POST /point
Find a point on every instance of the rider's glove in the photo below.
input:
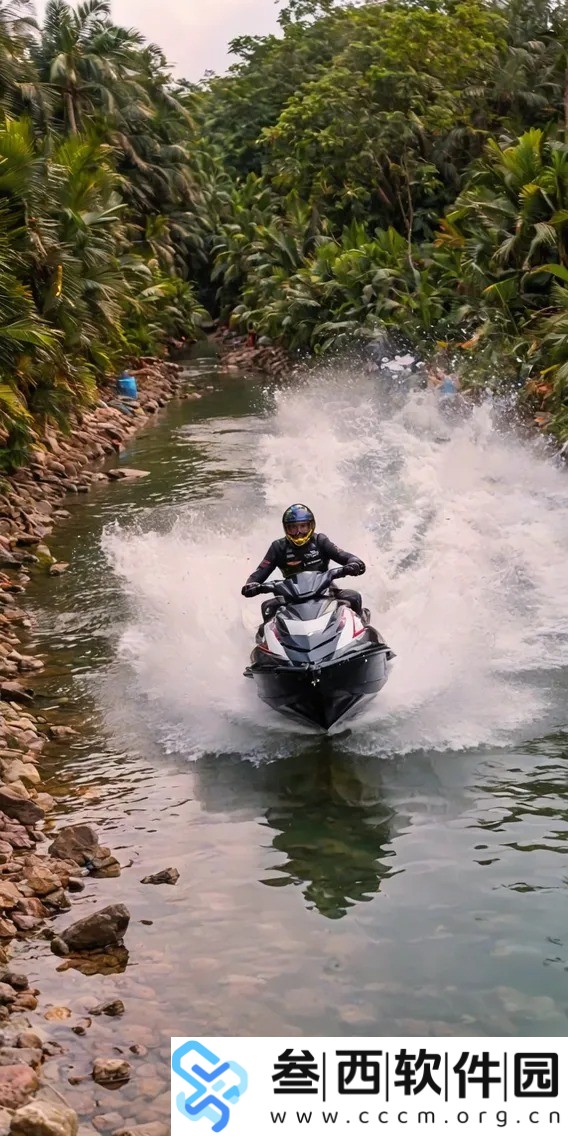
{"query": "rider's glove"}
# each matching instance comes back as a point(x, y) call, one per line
point(250, 590)
point(355, 567)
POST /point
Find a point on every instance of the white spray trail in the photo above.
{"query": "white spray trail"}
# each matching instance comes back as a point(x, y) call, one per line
point(465, 535)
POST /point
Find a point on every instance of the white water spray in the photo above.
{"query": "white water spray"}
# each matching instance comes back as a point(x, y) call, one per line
point(465, 536)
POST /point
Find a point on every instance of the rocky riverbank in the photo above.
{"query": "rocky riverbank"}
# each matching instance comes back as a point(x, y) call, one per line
point(38, 875)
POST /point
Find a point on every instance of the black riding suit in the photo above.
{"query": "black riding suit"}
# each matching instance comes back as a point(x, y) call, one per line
point(311, 557)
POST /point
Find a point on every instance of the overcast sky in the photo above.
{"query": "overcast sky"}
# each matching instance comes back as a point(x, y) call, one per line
point(194, 34)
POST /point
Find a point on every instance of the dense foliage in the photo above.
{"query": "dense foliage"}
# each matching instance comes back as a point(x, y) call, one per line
point(400, 164)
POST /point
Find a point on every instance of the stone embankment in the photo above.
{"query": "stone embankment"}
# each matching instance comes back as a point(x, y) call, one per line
point(37, 875)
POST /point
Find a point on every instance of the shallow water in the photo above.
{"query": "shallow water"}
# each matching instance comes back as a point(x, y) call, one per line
point(406, 876)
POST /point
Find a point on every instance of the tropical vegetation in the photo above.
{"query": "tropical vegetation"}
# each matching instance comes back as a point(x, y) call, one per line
point(397, 165)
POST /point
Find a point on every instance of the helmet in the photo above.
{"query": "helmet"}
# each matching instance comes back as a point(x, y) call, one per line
point(299, 524)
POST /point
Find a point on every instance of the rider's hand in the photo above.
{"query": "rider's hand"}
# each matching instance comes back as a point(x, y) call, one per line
point(250, 590)
point(355, 567)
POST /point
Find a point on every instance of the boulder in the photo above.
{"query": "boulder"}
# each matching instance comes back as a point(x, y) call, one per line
point(44, 1118)
point(105, 928)
point(19, 808)
point(78, 843)
point(11, 691)
point(17, 1084)
point(58, 569)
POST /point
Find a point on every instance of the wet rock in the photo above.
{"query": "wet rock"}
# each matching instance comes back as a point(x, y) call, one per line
point(138, 1050)
point(110, 1071)
point(113, 1007)
point(113, 961)
point(124, 473)
point(19, 808)
point(25, 1001)
point(57, 901)
point(7, 929)
point(44, 1118)
point(81, 1027)
point(75, 884)
point(12, 1055)
point(154, 1128)
point(11, 691)
point(29, 1039)
point(57, 1014)
point(166, 876)
point(78, 843)
point(17, 981)
point(30, 905)
point(107, 1121)
point(104, 928)
point(17, 1084)
point(7, 994)
point(59, 733)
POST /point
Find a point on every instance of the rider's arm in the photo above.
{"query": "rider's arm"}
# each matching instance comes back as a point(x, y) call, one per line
point(266, 566)
point(332, 552)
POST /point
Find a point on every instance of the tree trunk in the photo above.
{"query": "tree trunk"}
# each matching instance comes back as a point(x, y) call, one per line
point(71, 112)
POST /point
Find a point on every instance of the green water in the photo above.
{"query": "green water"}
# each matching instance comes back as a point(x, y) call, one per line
point(324, 891)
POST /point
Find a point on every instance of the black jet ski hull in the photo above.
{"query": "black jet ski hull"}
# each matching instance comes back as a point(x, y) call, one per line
point(320, 695)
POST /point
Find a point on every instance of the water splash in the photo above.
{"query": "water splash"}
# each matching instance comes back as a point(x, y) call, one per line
point(465, 534)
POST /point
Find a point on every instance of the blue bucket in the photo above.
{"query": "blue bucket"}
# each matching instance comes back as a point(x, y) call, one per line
point(126, 386)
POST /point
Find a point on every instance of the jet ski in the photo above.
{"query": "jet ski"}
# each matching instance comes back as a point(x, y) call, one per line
point(314, 659)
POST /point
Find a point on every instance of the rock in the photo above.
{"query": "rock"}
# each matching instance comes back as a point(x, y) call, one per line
point(57, 1014)
point(12, 1055)
point(76, 843)
point(59, 733)
point(9, 894)
point(41, 879)
point(167, 876)
point(123, 473)
point(7, 929)
point(113, 1007)
point(154, 1128)
point(15, 692)
point(45, 802)
point(7, 558)
point(75, 884)
point(58, 569)
point(29, 1039)
point(7, 994)
point(20, 771)
point(17, 1083)
point(58, 946)
point(25, 1001)
point(110, 1070)
point(105, 928)
point(44, 1118)
point(17, 981)
point(57, 900)
point(107, 1121)
point(20, 809)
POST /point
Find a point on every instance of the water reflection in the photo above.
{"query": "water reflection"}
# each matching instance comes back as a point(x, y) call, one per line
point(326, 814)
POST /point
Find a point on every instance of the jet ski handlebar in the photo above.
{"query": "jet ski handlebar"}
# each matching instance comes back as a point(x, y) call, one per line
point(273, 588)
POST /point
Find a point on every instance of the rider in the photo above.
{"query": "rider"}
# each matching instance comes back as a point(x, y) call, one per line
point(302, 549)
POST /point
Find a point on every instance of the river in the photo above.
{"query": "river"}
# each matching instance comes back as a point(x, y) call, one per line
point(404, 876)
